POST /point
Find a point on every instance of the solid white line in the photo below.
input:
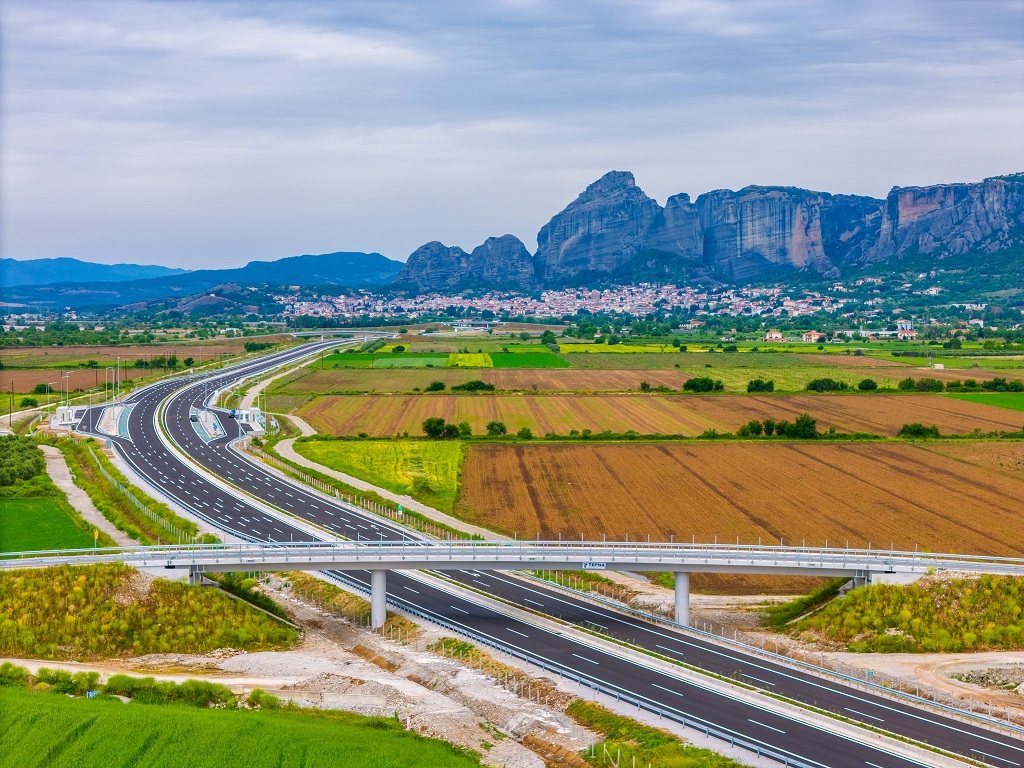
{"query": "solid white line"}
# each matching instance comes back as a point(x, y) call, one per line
point(586, 659)
point(514, 631)
point(1003, 759)
point(459, 609)
point(667, 690)
point(770, 727)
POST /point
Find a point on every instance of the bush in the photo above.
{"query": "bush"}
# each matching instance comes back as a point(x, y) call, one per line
point(464, 429)
point(769, 427)
point(752, 428)
point(1002, 385)
point(434, 427)
point(906, 384)
point(918, 430)
point(257, 346)
point(929, 385)
point(189, 362)
point(525, 434)
point(476, 385)
point(397, 348)
point(826, 385)
point(28, 402)
point(260, 699)
point(645, 387)
point(20, 459)
point(435, 386)
point(702, 384)
point(867, 385)
point(496, 428)
point(42, 389)
point(760, 385)
point(730, 348)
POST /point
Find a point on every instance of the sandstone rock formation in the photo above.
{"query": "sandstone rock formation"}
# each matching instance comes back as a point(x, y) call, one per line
point(613, 229)
point(498, 262)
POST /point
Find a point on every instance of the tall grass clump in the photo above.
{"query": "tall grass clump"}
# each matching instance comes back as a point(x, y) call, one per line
point(934, 615)
point(105, 610)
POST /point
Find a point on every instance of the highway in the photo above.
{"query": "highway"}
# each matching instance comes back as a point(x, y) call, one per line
point(792, 739)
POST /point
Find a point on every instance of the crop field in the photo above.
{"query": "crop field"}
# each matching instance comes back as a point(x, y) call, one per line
point(690, 415)
point(54, 730)
point(527, 360)
point(29, 524)
point(307, 382)
point(55, 357)
point(886, 494)
point(1005, 458)
point(1012, 400)
point(24, 380)
point(469, 360)
point(427, 470)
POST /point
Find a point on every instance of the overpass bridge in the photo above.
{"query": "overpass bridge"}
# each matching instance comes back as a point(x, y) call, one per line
point(862, 565)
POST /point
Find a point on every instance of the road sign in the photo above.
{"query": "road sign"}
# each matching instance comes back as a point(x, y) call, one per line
point(594, 566)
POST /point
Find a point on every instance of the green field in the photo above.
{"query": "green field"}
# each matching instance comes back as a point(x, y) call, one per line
point(28, 524)
point(527, 360)
point(469, 360)
point(381, 360)
point(427, 471)
point(407, 361)
point(38, 729)
point(1011, 400)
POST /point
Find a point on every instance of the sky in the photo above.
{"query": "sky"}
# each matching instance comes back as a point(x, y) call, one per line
point(209, 134)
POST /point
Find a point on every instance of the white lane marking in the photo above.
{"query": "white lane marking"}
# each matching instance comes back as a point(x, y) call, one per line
point(586, 659)
point(770, 727)
point(873, 765)
point(1003, 759)
point(515, 632)
point(667, 690)
point(751, 677)
point(861, 714)
point(533, 601)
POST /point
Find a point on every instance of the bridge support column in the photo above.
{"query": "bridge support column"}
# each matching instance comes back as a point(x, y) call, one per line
point(378, 598)
point(683, 599)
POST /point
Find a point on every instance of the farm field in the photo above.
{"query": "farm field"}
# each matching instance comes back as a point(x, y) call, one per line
point(50, 357)
point(1006, 458)
point(1011, 400)
point(46, 728)
point(429, 471)
point(690, 415)
point(527, 360)
point(39, 523)
point(307, 382)
point(888, 494)
point(24, 380)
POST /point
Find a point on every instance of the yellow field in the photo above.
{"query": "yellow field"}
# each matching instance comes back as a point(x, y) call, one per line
point(469, 360)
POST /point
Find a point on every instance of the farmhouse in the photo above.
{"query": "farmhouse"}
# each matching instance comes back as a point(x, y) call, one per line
point(773, 336)
point(908, 335)
point(811, 337)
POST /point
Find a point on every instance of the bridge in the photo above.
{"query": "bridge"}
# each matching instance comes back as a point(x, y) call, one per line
point(862, 565)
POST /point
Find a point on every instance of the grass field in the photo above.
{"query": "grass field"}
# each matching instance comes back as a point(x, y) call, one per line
point(28, 524)
point(527, 360)
point(1012, 400)
point(39, 729)
point(427, 471)
point(895, 494)
point(386, 416)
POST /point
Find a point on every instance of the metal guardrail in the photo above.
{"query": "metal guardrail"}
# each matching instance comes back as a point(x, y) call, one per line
point(687, 721)
point(788, 661)
point(581, 555)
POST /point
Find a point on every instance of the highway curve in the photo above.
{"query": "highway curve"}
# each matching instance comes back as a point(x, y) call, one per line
point(232, 513)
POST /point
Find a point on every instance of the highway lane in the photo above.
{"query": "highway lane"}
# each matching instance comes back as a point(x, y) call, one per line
point(228, 512)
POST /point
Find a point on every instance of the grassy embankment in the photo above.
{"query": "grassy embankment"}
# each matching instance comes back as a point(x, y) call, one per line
point(104, 610)
point(196, 723)
point(426, 470)
point(933, 615)
point(34, 513)
point(115, 505)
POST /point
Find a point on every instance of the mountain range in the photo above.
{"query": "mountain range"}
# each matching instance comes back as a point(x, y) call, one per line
point(349, 269)
point(614, 232)
point(42, 271)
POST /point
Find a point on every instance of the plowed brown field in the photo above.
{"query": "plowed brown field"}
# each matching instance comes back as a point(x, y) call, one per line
point(886, 494)
point(511, 379)
point(649, 414)
point(25, 379)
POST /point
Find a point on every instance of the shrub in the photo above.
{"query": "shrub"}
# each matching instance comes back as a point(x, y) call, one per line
point(645, 387)
point(42, 389)
point(434, 427)
point(476, 385)
point(28, 402)
point(730, 348)
point(495, 428)
point(906, 384)
point(525, 434)
point(398, 348)
point(752, 428)
point(826, 385)
point(867, 385)
point(189, 362)
point(702, 384)
point(929, 385)
point(760, 385)
point(20, 459)
point(769, 427)
point(464, 429)
point(260, 699)
point(918, 430)
point(434, 386)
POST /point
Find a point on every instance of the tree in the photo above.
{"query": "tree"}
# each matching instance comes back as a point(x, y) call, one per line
point(769, 427)
point(867, 385)
point(804, 428)
point(451, 431)
point(760, 385)
point(28, 402)
point(434, 427)
point(464, 429)
point(524, 336)
point(42, 389)
point(906, 384)
point(699, 384)
point(918, 430)
point(189, 362)
point(548, 337)
point(826, 385)
point(496, 428)
point(435, 386)
point(525, 434)
point(645, 387)
point(398, 348)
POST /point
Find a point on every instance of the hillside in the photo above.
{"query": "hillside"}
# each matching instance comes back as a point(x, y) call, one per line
point(47, 271)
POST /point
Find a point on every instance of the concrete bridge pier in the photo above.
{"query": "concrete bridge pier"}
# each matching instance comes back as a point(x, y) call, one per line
point(378, 598)
point(683, 599)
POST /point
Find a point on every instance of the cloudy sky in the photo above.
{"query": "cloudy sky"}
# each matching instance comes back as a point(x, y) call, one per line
point(208, 134)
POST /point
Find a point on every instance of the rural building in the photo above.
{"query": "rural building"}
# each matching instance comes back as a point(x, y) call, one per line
point(812, 337)
point(906, 335)
point(773, 336)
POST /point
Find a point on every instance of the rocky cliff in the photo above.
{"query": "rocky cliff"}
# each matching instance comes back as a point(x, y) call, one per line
point(616, 231)
point(497, 262)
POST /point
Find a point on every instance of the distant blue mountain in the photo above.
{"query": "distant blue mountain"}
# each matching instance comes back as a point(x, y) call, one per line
point(350, 269)
point(46, 271)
